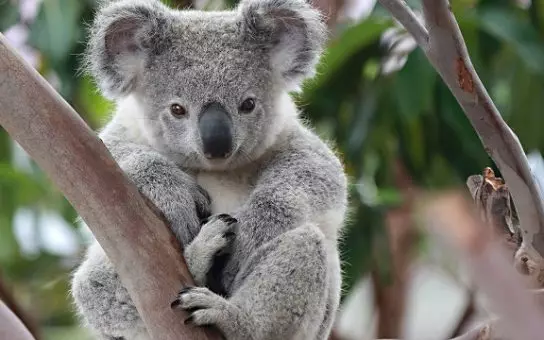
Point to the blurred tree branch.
(134, 237)
(7, 297)
(391, 297)
(330, 9)
(11, 327)
(453, 218)
(445, 48)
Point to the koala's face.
(212, 85)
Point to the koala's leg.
(281, 292)
(103, 303)
(334, 289)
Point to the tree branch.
(447, 52)
(143, 250)
(408, 19)
(451, 216)
(11, 327)
(7, 297)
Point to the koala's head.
(211, 86)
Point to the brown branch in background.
(452, 217)
(11, 327)
(447, 52)
(7, 297)
(390, 298)
(136, 240)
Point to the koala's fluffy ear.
(291, 30)
(123, 36)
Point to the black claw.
(189, 320)
(185, 290)
(175, 303)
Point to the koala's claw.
(226, 218)
(189, 320)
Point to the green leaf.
(350, 42)
(92, 104)
(9, 14)
(57, 29)
(8, 244)
(414, 86)
(517, 32)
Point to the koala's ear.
(291, 30)
(123, 36)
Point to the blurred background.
(394, 123)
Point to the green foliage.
(376, 119)
(9, 15)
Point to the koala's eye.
(248, 105)
(177, 110)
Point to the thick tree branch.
(137, 241)
(447, 52)
(11, 327)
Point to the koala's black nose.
(215, 127)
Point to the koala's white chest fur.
(227, 191)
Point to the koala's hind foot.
(207, 308)
(207, 254)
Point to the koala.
(206, 129)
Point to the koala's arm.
(99, 295)
(303, 183)
(174, 192)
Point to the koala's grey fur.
(283, 188)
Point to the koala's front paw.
(207, 253)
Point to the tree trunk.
(137, 241)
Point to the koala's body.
(205, 128)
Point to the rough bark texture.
(138, 242)
(494, 203)
(11, 327)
